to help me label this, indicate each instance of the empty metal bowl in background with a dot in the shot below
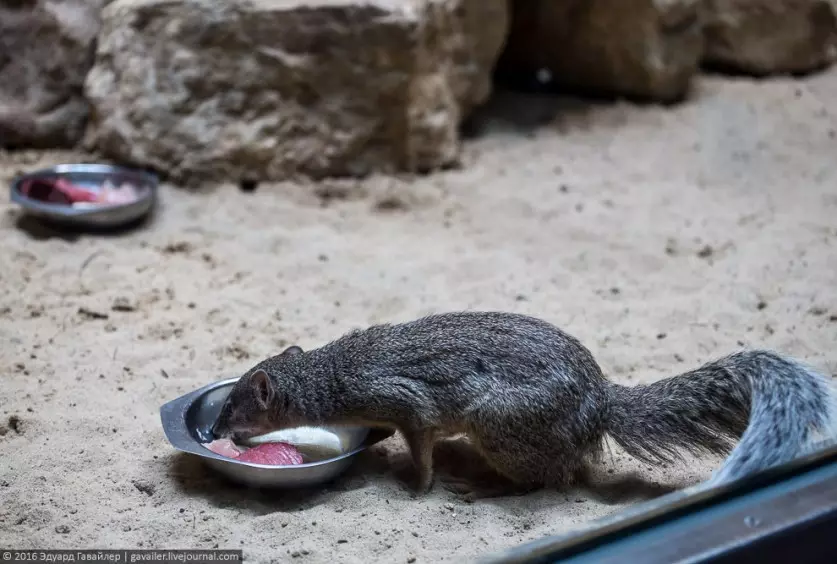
(188, 419)
(92, 177)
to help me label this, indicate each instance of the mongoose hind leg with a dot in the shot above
(528, 463)
(420, 442)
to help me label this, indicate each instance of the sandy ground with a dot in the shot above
(662, 238)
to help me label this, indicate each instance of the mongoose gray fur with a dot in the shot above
(532, 399)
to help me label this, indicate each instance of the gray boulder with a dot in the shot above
(762, 37)
(263, 90)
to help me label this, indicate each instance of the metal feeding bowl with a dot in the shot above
(90, 178)
(187, 422)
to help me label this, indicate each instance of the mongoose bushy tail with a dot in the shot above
(774, 404)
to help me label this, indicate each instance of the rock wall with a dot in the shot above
(46, 50)
(263, 90)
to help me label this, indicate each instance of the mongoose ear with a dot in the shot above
(262, 388)
(292, 350)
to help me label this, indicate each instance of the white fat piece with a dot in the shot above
(300, 437)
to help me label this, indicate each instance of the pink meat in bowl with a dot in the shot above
(62, 191)
(272, 454)
(224, 447)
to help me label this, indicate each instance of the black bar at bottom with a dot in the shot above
(788, 514)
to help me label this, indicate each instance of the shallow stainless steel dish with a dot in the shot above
(92, 177)
(188, 419)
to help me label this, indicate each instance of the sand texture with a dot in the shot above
(662, 238)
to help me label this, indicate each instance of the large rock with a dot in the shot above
(647, 49)
(763, 37)
(261, 90)
(46, 50)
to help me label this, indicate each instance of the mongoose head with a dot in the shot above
(253, 407)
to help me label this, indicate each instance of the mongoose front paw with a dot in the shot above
(422, 487)
(418, 491)
(415, 494)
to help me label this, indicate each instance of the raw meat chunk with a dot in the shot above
(224, 447)
(274, 454)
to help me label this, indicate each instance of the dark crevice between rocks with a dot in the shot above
(525, 101)
(528, 94)
(541, 82)
(248, 185)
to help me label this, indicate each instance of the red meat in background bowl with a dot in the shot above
(63, 192)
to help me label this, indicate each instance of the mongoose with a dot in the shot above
(532, 399)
